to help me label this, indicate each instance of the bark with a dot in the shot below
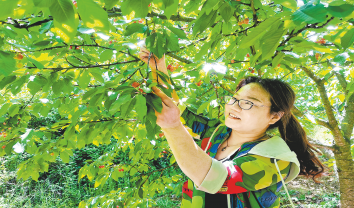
(342, 149)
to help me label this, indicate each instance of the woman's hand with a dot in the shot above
(170, 114)
(161, 66)
(154, 61)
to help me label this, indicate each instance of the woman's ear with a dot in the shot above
(276, 117)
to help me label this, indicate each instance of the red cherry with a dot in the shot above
(149, 4)
(135, 84)
(169, 67)
(77, 47)
(19, 56)
(71, 47)
(164, 151)
(101, 166)
(248, 55)
(110, 42)
(142, 91)
(252, 71)
(199, 83)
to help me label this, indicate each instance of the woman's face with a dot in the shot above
(255, 120)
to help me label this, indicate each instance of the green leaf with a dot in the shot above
(43, 3)
(64, 19)
(154, 101)
(141, 108)
(92, 15)
(42, 43)
(277, 59)
(178, 32)
(172, 160)
(64, 156)
(340, 59)
(36, 63)
(340, 9)
(7, 8)
(310, 14)
(171, 8)
(7, 63)
(202, 107)
(57, 87)
(257, 32)
(271, 40)
(106, 55)
(127, 108)
(4, 108)
(204, 21)
(348, 39)
(141, 193)
(140, 7)
(226, 12)
(134, 28)
(13, 110)
(84, 79)
(291, 4)
(120, 101)
(109, 4)
(7, 80)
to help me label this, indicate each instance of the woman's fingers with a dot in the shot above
(165, 99)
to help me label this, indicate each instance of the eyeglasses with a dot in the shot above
(244, 104)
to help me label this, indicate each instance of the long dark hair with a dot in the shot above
(282, 98)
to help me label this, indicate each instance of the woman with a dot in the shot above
(236, 164)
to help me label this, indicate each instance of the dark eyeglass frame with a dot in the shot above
(238, 102)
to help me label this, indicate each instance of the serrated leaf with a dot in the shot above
(310, 14)
(172, 160)
(291, 4)
(140, 7)
(109, 4)
(141, 193)
(92, 15)
(84, 79)
(348, 39)
(178, 32)
(13, 110)
(141, 108)
(154, 101)
(134, 28)
(202, 107)
(43, 3)
(64, 156)
(340, 11)
(257, 32)
(65, 23)
(7, 63)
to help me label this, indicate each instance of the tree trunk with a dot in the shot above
(345, 169)
(342, 138)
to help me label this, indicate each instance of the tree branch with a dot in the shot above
(116, 12)
(338, 136)
(84, 67)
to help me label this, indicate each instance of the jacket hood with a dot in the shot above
(277, 148)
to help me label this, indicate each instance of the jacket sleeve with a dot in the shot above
(197, 126)
(246, 173)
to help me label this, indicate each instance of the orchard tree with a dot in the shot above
(80, 59)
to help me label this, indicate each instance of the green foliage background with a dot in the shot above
(78, 59)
